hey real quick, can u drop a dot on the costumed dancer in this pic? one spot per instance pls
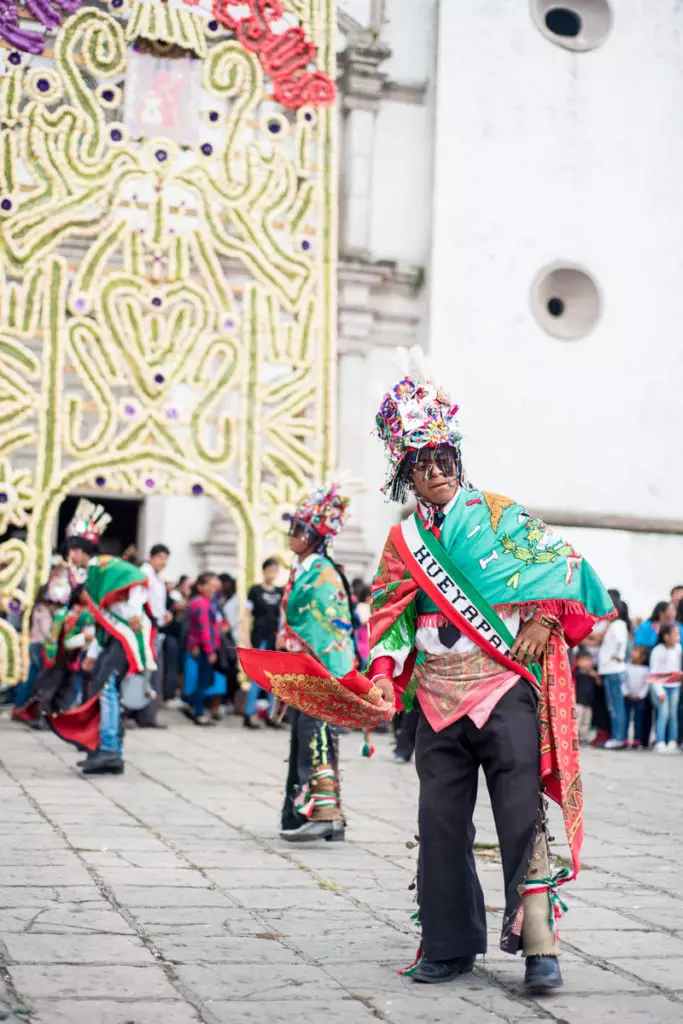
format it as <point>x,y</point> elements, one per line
<point>116,592</point>
<point>316,613</point>
<point>47,619</point>
<point>474,604</point>
<point>59,686</point>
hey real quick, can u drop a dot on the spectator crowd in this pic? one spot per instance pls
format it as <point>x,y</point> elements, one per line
<point>628,675</point>
<point>628,680</point>
<point>199,623</point>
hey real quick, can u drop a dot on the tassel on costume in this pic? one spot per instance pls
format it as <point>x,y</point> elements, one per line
<point>367,749</point>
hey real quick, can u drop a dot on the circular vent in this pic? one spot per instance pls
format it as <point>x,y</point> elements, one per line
<point>576,25</point>
<point>565,301</point>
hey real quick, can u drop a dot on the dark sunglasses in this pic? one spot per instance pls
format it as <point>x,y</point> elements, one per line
<point>444,459</point>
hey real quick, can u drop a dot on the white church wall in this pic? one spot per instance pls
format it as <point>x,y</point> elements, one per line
<point>408,30</point>
<point>643,566</point>
<point>541,155</point>
<point>401,183</point>
<point>179,523</point>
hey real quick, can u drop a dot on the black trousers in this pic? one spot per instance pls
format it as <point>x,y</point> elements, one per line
<point>312,743</point>
<point>407,731</point>
<point>452,908</point>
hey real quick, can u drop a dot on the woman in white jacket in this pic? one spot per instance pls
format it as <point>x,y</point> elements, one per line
<point>612,671</point>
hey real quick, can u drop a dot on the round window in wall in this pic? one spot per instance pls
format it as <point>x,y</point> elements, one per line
<point>565,301</point>
<point>576,24</point>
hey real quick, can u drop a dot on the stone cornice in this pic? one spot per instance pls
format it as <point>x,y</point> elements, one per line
<point>360,80</point>
<point>375,273</point>
<point>414,93</point>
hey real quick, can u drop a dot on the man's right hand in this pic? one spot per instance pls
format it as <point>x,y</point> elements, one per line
<point>386,687</point>
<point>135,623</point>
<point>88,664</point>
<point>213,658</point>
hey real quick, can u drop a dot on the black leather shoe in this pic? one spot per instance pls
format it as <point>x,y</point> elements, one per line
<point>87,759</point>
<point>103,762</point>
<point>435,972</point>
<point>542,974</point>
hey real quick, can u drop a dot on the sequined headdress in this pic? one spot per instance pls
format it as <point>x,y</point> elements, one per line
<point>413,415</point>
<point>58,589</point>
<point>89,521</point>
<point>324,511</point>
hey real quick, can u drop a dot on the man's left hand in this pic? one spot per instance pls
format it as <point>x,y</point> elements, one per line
<point>530,643</point>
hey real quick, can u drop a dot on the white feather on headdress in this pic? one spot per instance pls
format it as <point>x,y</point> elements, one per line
<point>412,362</point>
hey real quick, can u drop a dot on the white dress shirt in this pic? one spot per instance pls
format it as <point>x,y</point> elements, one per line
<point>157,593</point>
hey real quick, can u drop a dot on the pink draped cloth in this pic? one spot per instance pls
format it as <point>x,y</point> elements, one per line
<point>454,685</point>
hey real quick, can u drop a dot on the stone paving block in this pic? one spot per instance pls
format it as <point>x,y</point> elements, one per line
<point>318,1011</point>
<point>582,918</point>
<point>617,944</point>
<point>205,921</point>
<point>76,949</point>
<point>39,896</point>
<point>164,896</point>
<point>264,984</point>
<point>666,971</point>
<point>236,856</point>
<point>77,919</point>
<point>629,898</point>
<point>144,859</point>
<point>65,981</point>
<point>305,921</point>
<point>669,918</point>
<point>287,899</point>
<point>356,948</point>
<point>58,875</point>
<point>371,979</point>
<point>82,1011</point>
<point>609,1009</point>
<point>442,1004</point>
<point>280,876</point>
<point>399,899</point>
<point>226,949</point>
<point>105,838</point>
<point>153,878</point>
<point>388,878</point>
<point>35,859</point>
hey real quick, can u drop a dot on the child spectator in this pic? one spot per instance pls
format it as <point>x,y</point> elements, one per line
<point>665,679</point>
<point>585,679</point>
<point>635,693</point>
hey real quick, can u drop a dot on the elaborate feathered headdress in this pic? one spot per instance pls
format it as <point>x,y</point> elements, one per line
<point>89,521</point>
<point>324,511</point>
<point>414,414</point>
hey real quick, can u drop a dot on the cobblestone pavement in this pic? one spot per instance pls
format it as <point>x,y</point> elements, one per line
<point>165,896</point>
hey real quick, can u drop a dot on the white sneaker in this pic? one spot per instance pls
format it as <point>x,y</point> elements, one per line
<point>660,748</point>
<point>174,703</point>
<point>614,745</point>
<point>672,747</point>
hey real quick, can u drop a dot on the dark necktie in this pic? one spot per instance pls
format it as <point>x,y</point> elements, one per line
<point>449,634</point>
